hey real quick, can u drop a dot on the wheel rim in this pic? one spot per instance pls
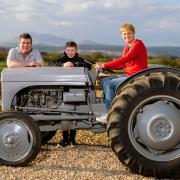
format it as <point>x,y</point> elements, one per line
<point>155,135</point>
<point>16,140</point>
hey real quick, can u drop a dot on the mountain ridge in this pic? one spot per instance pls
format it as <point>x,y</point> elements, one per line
<point>49,42</point>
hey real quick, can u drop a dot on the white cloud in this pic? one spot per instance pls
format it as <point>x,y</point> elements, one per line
<point>90,18</point>
<point>164,23</point>
<point>76,7</point>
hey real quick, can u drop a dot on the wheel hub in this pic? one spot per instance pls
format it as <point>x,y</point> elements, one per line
<point>162,128</point>
<point>14,140</point>
<point>158,125</point>
<point>11,139</point>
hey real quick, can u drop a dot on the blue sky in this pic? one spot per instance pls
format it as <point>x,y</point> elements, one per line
<point>157,22</point>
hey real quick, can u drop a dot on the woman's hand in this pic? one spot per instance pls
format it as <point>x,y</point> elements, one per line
<point>98,66</point>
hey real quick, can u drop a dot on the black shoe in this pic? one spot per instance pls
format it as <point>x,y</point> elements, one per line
<point>73,144</point>
<point>63,143</point>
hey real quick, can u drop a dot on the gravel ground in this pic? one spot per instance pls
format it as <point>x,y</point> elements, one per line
<point>91,159</point>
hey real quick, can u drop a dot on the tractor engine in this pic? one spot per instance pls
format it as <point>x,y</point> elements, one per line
<point>50,98</point>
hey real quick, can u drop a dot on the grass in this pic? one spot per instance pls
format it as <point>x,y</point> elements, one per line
<point>2,65</point>
<point>166,61</point>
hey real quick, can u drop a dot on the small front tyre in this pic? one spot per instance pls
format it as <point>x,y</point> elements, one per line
<point>20,139</point>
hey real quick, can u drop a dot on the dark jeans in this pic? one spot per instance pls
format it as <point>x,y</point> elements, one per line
<point>69,135</point>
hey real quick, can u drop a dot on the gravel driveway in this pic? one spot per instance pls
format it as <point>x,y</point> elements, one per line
<point>92,159</point>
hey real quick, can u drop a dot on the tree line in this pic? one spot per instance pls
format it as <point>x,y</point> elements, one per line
<point>168,61</point>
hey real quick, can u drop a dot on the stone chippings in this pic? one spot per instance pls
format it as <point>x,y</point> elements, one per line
<point>91,159</point>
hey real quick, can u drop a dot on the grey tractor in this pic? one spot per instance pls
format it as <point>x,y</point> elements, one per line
<point>143,122</point>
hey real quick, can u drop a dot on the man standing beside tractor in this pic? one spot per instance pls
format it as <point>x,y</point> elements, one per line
<point>24,55</point>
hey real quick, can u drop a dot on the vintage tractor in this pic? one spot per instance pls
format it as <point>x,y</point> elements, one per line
<point>143,122</point>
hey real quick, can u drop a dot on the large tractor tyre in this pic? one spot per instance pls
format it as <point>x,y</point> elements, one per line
<point>47,136</point>
<point>144,125</point>
<point>20,139</point>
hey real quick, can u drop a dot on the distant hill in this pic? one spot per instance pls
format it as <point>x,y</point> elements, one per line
<point>164,51</point>
<point>45,39</point>
<point>115,50</point>
<point>49,42</point>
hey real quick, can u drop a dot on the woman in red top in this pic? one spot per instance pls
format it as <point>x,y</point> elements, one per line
<point>133,60</point>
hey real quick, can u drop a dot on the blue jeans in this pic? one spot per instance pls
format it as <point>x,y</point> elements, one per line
<point>109,86</point>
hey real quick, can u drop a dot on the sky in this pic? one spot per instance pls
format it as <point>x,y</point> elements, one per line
<point>157,22</point>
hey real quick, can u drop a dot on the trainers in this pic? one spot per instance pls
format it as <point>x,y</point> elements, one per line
<point>102,119</point>
<point>73,144</point>
<point>63,143</point>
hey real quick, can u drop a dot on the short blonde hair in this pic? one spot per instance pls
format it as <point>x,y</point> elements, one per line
<point>127,26</point>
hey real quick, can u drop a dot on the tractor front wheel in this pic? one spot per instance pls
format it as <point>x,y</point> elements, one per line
<point>20,139</point>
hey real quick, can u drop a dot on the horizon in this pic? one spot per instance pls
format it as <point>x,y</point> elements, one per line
<point>14,41</point>
<point>153,51</point>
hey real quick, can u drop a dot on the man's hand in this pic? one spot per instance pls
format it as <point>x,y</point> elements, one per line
<point>33,64</point>
<point>68,64</point>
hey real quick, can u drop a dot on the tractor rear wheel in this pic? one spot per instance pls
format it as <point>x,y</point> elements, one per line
<point>143,125</point>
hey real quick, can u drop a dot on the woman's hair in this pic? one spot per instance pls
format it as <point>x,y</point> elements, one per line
<point>25,36</point>
<point>71,44</point>
<point>127,26</point>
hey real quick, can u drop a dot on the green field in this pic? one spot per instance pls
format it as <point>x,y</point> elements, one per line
<point>168,61</point>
